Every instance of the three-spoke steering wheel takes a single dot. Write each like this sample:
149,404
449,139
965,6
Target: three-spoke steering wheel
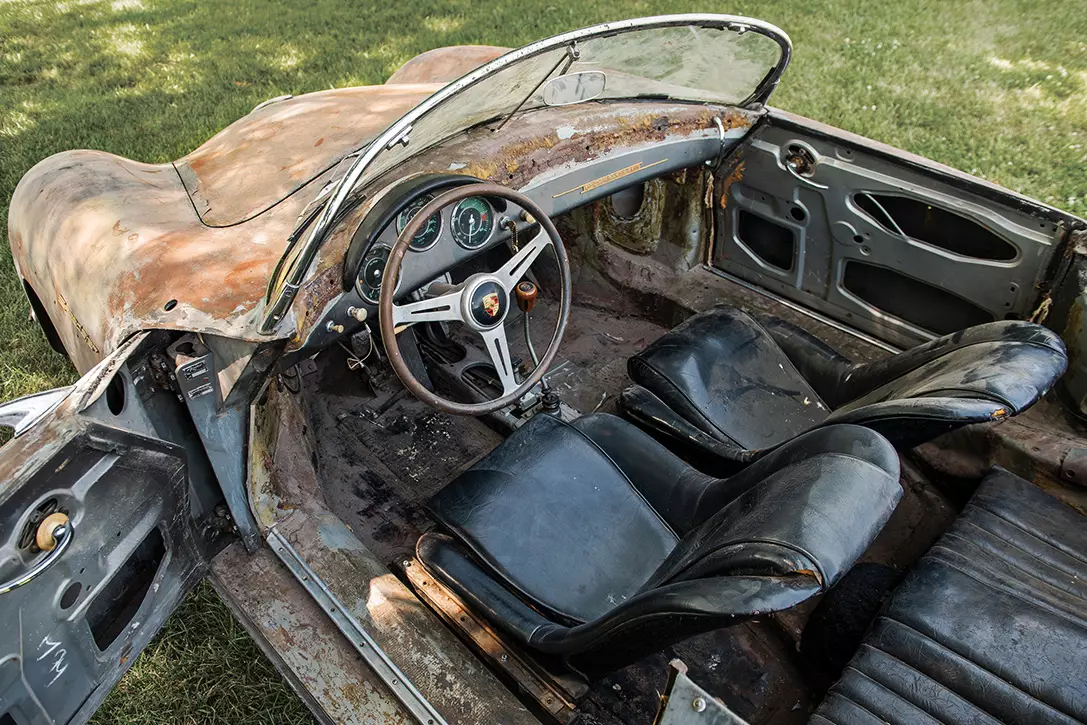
481,302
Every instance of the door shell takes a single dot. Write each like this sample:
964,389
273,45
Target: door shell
118,457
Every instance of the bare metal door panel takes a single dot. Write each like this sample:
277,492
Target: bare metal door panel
887,242
71,631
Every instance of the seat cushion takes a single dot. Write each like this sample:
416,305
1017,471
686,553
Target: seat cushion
1012,363
725,374
557,520
991,626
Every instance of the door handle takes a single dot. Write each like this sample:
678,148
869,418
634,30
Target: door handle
54,535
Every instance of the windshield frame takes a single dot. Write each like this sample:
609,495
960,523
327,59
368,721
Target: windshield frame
280,296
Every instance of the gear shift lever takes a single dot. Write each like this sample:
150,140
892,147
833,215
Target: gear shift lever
526,293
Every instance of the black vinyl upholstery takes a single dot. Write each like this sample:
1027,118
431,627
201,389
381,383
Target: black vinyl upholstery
592,541
990,627
724,384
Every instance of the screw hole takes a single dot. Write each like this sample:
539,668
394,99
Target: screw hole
858,239
71,594
170,305
798,214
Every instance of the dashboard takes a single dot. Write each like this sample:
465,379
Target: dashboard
451,236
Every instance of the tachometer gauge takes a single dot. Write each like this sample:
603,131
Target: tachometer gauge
472,222
368,282
428,235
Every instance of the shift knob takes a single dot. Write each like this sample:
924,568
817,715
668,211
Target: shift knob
526,295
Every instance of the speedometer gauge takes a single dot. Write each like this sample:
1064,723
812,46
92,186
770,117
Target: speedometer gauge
428,235
472,222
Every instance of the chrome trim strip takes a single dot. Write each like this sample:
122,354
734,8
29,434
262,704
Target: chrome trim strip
399,131
805,311
360,639
22,413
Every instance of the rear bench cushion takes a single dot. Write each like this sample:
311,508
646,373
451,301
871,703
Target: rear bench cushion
990,627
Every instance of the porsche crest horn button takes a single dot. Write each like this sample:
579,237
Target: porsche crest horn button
488,304
491,305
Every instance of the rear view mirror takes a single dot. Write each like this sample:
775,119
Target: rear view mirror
573,88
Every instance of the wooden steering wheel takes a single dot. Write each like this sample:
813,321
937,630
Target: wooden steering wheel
481,302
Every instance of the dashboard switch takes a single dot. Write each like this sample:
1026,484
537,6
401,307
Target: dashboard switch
359,313
333,327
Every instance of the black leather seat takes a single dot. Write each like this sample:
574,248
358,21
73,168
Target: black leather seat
990,626
724,384
592,541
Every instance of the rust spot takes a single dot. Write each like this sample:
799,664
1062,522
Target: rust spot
1000,413
736,174
118,230
319,141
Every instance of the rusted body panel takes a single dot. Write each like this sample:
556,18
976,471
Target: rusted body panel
302,641
275,150
108,243
442,65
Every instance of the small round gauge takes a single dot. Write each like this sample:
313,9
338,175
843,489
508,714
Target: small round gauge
472,222
368,282
428,235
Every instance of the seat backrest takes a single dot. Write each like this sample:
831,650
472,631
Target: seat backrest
810,508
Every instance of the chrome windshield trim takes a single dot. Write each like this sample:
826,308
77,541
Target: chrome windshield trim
399,132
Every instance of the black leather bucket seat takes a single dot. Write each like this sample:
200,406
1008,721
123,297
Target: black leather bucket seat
724,384
592,541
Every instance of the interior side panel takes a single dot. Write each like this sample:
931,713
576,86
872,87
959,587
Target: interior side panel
871,237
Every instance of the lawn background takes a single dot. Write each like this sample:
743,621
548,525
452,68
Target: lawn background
997,88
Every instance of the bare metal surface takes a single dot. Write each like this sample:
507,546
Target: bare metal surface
489,644
443,65
273,151
118,240
385,669
685,703
432,659
28,452
106,242
1045,445
286,492
301,641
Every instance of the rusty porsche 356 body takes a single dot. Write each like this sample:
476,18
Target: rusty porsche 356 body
534,383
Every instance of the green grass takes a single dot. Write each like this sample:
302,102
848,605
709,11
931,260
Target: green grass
997,88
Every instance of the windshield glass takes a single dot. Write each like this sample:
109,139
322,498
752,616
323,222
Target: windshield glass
688,62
